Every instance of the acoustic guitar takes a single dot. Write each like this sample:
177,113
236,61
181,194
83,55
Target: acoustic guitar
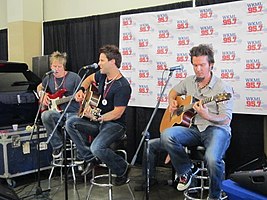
91,99
185,113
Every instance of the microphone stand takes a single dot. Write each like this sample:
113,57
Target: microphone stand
64,135
146,137
37,127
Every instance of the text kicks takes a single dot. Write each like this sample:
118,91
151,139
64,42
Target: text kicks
185,179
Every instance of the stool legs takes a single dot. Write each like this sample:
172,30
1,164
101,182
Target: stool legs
58,163
201,188
109,185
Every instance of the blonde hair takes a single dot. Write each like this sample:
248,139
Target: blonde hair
61,57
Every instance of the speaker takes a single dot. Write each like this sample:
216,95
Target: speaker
7,193
40,65
255,180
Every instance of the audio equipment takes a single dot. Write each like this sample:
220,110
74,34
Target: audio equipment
255,180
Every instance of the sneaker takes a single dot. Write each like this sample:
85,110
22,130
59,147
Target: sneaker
184,181
57,152
79,161
120,180
89,166
142,186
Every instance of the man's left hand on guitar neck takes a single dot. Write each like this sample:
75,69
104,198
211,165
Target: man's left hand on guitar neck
202,110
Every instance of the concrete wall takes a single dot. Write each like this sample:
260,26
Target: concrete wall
65,9
3,14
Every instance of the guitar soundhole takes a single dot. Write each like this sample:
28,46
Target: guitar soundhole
180,110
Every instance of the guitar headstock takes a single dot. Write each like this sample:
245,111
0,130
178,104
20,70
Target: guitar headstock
222,97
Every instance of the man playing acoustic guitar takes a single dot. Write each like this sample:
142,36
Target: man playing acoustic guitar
103,119
209,125
60,83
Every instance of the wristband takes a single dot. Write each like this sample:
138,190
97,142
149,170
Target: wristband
82,89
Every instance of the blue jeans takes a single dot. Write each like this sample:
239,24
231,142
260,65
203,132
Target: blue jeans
216,140
50,119
104,135
155,149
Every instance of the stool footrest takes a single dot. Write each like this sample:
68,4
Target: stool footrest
196,189
93,180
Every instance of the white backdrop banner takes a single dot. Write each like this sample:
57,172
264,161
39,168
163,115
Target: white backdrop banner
155,41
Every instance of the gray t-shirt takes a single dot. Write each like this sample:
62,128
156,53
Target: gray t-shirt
70,82
216,86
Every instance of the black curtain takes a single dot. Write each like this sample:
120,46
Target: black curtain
3,45
82,37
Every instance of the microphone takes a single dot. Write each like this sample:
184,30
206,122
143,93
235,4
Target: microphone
50,72
180,67
93,66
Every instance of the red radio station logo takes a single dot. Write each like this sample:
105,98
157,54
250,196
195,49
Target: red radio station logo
228,20
229,38
206,31
182,24
252,83
254,45
255,27
161,66
162,50
228,56
143,58
255,7
205,13
227,74
163,99
144,74
161,82
163,34
253,64
144,28
182,57
144,89
142,43
127,21
127,51
253,102
180,74
126,66
163,18
127,36
183,41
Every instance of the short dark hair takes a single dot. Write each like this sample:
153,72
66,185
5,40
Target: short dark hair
203,50
112,52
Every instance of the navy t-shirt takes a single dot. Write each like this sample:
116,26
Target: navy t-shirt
117,93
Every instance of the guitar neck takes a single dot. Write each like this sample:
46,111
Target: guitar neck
63,100
190,106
